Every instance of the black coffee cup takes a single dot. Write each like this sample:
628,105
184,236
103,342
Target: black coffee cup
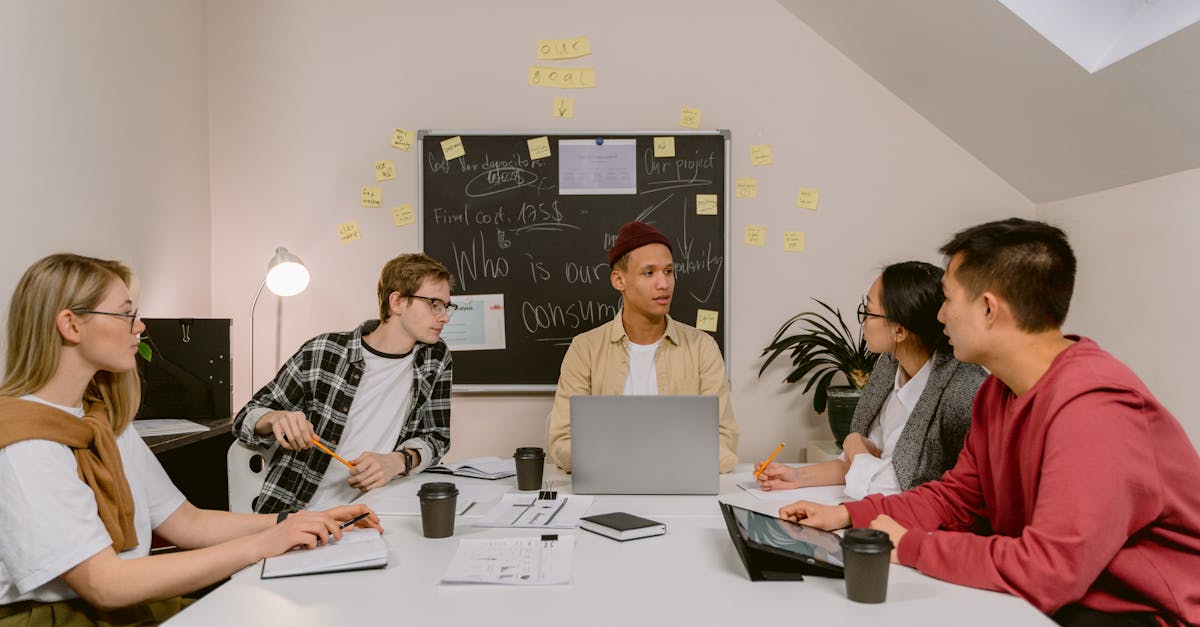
438,500
867,554
530,460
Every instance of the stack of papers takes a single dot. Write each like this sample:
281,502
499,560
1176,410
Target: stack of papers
479,468
528,511
824,494
357,550
528,561
147,427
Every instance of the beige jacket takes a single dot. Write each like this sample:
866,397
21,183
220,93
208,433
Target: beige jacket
687,362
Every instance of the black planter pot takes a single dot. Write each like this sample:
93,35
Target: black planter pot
842,401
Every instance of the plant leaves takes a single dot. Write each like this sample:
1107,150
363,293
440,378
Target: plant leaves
143,351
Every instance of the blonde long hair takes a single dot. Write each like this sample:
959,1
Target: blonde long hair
55,283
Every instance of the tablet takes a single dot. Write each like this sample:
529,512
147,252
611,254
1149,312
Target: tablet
774,548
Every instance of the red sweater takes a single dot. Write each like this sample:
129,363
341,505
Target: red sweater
1083,489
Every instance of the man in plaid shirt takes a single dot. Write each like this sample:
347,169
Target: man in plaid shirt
378,395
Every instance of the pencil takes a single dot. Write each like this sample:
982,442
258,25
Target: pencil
769,458
353,520
348,464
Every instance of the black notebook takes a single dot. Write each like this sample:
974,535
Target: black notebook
622,526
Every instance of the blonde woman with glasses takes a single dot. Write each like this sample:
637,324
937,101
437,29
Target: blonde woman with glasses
80,493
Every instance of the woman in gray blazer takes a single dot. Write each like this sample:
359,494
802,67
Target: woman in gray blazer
910,423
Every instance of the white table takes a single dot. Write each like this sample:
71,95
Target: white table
690,575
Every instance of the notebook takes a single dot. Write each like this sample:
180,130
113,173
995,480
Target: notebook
358,549
622,526
479,468
644,445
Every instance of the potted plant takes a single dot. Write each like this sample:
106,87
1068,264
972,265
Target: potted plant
822,348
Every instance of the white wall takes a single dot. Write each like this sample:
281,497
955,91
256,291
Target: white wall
104,122
303,98
1135,292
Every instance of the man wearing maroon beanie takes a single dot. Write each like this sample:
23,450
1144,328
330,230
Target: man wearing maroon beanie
642,351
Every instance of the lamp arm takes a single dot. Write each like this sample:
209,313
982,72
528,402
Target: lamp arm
253,305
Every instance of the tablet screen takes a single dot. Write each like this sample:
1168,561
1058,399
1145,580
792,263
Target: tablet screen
788,536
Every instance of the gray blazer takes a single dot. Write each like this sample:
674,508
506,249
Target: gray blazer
936,429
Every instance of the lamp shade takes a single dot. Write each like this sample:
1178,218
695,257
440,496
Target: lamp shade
286,274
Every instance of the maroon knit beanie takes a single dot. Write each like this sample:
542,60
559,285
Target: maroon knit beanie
635,235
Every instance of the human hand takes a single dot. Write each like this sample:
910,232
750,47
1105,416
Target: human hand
304,529
857,444
343,513
895,531
827,517
777,476
372,470
292,429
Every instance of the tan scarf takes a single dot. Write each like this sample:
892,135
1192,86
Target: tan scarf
95,446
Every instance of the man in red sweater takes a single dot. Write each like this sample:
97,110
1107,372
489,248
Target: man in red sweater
1076,489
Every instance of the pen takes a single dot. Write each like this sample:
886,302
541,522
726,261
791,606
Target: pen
335,455
769,458
353,520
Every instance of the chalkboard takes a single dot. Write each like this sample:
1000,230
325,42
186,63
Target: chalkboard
502,224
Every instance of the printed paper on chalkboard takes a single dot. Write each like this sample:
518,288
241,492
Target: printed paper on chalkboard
597,167
477,324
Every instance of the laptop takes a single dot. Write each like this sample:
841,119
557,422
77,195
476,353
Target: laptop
644,445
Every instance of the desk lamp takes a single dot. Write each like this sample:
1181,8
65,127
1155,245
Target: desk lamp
286,276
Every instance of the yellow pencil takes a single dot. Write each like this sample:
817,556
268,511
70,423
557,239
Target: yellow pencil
348,464
769,458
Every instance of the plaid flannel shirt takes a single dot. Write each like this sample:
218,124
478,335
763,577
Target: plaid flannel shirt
320,380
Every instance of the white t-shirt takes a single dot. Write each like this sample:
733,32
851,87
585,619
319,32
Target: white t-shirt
642,379
49,518
875,475
373,423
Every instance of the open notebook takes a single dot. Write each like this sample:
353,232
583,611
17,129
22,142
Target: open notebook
479,468
358,549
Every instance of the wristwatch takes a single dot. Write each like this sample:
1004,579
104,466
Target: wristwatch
412,459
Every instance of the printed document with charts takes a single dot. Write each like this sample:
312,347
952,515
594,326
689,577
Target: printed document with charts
358,549
527,561
530,511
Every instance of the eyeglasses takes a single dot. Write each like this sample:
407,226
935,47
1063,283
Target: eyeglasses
437,305
863,314
133,316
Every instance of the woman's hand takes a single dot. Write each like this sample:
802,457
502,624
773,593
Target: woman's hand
777,476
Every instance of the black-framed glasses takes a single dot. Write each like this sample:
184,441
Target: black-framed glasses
863,314
133,315
437,305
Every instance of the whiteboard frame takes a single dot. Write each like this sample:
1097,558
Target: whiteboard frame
521,388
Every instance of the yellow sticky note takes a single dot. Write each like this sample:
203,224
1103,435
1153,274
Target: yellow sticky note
756,235
385,170
453,148
689,118
563,48
706,204
706,320
562,77
539,147
564,107
760,154
664,147
793,241
403,215
402,139
372,197
807,198
348,231
747,188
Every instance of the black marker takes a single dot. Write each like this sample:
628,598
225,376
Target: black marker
353,520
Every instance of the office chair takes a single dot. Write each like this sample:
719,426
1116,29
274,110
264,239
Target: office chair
247,470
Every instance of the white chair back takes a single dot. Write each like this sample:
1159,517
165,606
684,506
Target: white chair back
247,470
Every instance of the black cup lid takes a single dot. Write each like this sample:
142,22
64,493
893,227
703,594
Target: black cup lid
529,451
866,541
438,488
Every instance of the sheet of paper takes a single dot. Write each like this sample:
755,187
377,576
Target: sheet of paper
402,139
348,232
756,235
793,241
527,561
664,147
588,166
747,188
539,147
371,197
527,511
385,170
399,498
689,117
827,494
807,198
453,148
760,154
706,204
706,320
478,323
572,48
564,107
166,426
403,215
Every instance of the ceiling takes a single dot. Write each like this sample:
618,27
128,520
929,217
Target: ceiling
1016,102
